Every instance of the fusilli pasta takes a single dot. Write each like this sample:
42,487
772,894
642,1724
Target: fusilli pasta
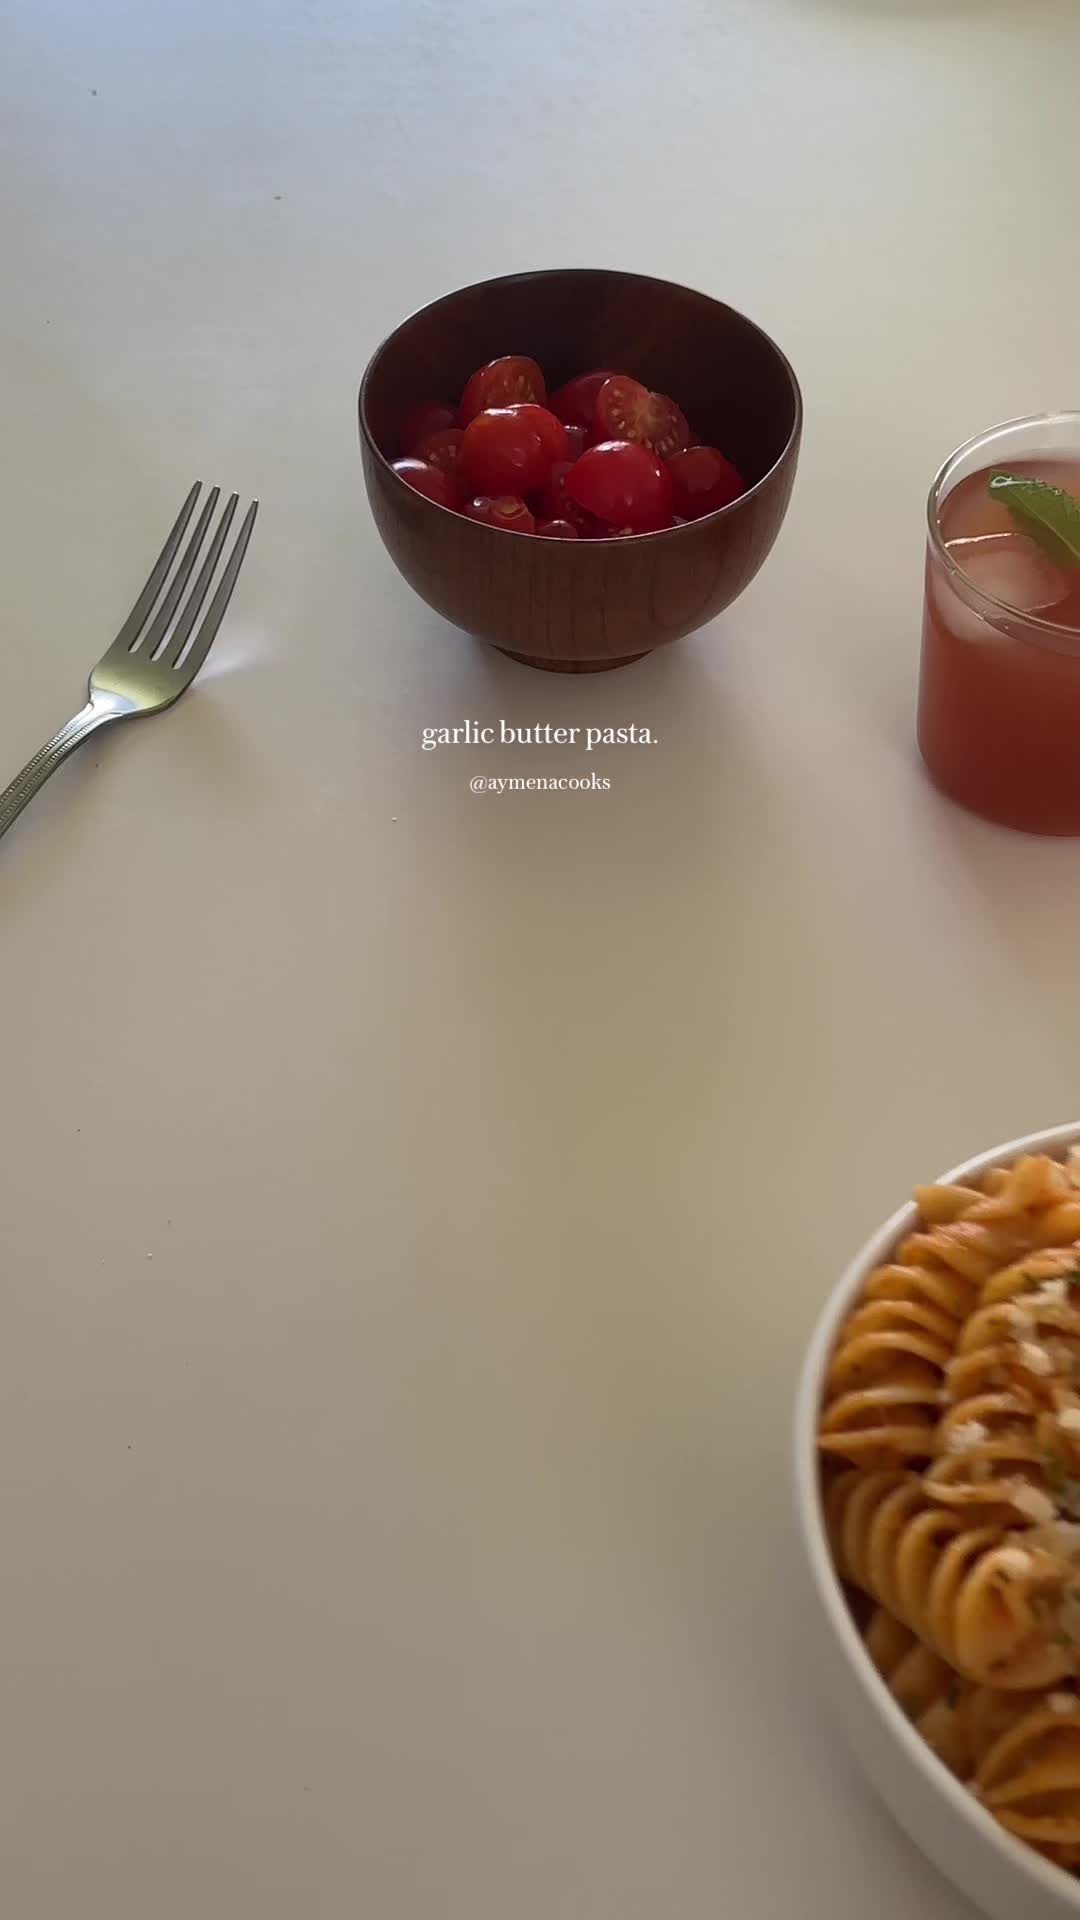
950,1440
1018,1752
884,1385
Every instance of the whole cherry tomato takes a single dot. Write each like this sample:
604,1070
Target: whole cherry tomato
422,421
510,449
430,481
625,410
577,439
703,480
557,530
623,484
551,430
441,449
575,403
502,510
502,383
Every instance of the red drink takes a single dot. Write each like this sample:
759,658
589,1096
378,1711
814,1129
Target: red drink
999,695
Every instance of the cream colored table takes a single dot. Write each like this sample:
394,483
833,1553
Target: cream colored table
415,1201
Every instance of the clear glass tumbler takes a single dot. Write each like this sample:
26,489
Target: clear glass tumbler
999,691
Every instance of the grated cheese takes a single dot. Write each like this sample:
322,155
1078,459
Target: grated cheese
1035,1358
966,1435
1013,1560
1052,1293
1033,1503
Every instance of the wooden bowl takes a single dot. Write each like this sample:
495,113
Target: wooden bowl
577,606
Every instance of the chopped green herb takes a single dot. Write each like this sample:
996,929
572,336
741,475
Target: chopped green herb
1069,1496
1055,1473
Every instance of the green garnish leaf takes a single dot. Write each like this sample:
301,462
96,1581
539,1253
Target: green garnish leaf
1048,514
1068,1497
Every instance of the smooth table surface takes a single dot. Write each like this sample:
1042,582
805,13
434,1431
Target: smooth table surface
415,1202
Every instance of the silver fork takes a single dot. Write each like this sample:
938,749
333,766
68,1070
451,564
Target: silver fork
154,658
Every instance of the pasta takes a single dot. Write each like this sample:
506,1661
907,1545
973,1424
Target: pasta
1018,1752
950,1443
961,1722
925,1687
882,1392
971,1593
1030,1778
1012,1405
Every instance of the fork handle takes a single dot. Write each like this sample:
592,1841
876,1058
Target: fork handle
45,762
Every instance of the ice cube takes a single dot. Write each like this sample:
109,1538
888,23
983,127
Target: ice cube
1008,567
957,617
971,509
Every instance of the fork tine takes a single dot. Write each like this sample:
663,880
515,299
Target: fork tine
144,605
204,639
161,622
177,641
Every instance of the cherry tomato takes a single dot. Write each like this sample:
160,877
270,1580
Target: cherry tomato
556,504
543,421
504,510
557,530
623,484
575,403
625,410
441,449
510,449
430,481
577,439
604,532
422,421
703,480
502,383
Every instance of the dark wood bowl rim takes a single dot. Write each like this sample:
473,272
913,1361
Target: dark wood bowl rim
597,273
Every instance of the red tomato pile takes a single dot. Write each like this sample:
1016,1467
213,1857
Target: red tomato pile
598,458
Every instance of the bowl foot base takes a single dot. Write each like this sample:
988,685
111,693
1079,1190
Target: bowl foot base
572,666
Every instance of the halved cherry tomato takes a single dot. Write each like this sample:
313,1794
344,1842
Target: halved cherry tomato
575,403
625,410
430,481
604,532
557,530
503,510
422,421
441,449
556,504
502,383
510,449
623,484
703,480
577,439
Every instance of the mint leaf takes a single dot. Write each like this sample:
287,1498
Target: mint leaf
1049,514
